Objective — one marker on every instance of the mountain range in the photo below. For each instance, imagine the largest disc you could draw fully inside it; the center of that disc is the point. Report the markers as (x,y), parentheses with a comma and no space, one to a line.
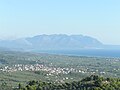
(54,42)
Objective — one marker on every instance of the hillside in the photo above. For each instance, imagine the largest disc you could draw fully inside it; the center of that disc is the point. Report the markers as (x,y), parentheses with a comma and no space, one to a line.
(92,82)
(19,67)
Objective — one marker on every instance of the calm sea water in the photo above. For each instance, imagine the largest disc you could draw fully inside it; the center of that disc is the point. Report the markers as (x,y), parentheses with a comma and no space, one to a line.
(86,52)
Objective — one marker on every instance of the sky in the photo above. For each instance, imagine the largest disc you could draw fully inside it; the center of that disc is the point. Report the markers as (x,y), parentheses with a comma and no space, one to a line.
(96,18)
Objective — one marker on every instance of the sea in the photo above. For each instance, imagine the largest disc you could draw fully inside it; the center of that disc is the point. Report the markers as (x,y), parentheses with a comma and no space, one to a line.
(86,52)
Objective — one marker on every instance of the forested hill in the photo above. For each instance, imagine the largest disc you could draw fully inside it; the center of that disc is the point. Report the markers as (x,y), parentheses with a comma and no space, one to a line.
(93,82)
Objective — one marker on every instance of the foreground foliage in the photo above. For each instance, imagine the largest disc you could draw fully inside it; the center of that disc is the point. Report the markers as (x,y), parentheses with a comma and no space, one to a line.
(93,82)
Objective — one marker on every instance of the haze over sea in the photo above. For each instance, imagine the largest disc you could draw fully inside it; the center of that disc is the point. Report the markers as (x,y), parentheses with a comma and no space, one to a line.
(86,52)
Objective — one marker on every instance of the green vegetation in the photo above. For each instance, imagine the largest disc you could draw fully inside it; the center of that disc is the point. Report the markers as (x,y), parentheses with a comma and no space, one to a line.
(89,83)
(19,67)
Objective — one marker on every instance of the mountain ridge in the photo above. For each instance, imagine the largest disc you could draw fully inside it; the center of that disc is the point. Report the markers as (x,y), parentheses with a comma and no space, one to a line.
(53,42)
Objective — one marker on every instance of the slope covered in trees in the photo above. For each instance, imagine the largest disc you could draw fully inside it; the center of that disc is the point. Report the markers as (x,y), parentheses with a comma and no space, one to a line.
(93,82)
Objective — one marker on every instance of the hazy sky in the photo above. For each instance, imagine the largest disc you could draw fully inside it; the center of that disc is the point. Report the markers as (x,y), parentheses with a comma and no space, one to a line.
(96,18)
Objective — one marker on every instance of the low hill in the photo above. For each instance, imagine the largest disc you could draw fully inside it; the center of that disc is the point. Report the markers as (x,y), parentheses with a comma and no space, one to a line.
(93,82)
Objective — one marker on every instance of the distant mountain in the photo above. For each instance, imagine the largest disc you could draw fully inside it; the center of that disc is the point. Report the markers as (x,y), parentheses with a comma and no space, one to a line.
(52,42)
